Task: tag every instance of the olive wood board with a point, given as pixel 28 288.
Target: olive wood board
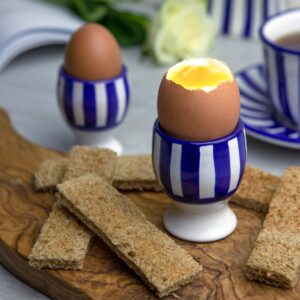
pixel 105 276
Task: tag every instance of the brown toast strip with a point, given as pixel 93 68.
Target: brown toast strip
pixel 155 257
pixel 256 190
pixel 275 258
pixel 82 159
pixel 86 160
pixel 49 173
pixel 135 172
pixel 64 248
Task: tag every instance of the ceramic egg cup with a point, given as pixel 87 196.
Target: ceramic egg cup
pixel 199 177
pixel 94 109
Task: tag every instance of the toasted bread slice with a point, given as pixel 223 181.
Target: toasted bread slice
pixel 135 172
pixel 275 258
pixel 157 259
pixel 65 248
pixel 49 174
pixel 62 224
pixel 256 190
pixel 88 160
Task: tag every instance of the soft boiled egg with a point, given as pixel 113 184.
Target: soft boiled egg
pixel 198 100
pixel 93 54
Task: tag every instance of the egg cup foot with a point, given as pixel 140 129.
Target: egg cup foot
pixel 200 222
pixel 101 139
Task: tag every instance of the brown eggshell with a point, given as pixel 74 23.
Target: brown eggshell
pixel 197 115
pixel 93 54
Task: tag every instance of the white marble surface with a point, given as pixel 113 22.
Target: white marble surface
pixel 27 92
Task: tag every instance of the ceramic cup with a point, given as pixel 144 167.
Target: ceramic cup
pixel 242 18
pixel 94 109
pixel 283 67
pixel 199 177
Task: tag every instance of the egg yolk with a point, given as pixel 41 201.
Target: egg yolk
pixel 200 74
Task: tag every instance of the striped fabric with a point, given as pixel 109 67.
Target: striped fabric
pixel 243 17
pixel 93 105
pixel 199 172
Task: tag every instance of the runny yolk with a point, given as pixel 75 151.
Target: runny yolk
pixel 197 77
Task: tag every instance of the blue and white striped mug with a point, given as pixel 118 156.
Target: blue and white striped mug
pixel 200 177
pixel 93 109
pixel 283 67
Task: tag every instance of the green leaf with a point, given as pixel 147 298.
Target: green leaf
pixel 93 12
pixel 60 2
pixel 129 29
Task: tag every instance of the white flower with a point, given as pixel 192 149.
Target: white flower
pixel 180 30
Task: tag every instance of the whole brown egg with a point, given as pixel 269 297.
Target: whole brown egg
pixel 93 54
pixel 198 100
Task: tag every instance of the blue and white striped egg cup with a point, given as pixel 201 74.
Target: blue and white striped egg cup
pixel 283 68
pixel 94 109
pixel 199 177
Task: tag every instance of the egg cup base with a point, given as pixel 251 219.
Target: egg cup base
pixel 200 223
pixel 100 139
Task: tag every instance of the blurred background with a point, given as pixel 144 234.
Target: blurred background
pixel 154 35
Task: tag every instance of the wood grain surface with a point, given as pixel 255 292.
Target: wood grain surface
pixel 104 276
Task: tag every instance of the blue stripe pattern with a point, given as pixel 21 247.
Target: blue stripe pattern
pixel 190 170
pixel 113 101
pixel 68 100
pixel 283 97
pixel 199 172
pixel 93 105
pixel 282 87
pixel 89 106
pixel 209 7
pixel 222 164
pixel 164 166
pixel 253 85
pixel 227 14
pixel 249 17
pixel 261 121
pixel 127 92
pixel 265 9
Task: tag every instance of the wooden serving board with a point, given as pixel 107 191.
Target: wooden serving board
pixel 105 276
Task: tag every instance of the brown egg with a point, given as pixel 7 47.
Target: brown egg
pixel 197 115
pixel 93 54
